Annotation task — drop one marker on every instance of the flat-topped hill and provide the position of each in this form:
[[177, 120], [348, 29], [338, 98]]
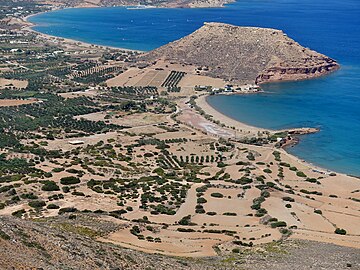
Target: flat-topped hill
[[245, 54]]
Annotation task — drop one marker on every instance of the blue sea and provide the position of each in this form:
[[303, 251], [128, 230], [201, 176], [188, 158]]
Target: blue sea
[[331, 27]]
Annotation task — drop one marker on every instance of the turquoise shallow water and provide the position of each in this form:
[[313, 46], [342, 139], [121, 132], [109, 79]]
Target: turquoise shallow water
[[328, 26]]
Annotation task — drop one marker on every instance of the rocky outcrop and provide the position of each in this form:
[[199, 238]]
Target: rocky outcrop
[[245, 54], [273, 74]]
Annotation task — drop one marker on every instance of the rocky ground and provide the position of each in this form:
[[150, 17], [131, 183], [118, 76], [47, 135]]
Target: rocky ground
[[306, 255], [63, 243], [245, 54], [72, 240], [69, 242]]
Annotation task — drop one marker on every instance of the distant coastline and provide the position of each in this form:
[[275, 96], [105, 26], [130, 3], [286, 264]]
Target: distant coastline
[[202, 102], [68, 40], [89, 45], [178, 151]]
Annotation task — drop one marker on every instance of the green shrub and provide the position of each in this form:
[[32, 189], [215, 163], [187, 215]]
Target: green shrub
[[243, 181], [243, 163], [67, 210], [29, 196], [185, 230], [50, 186], [217, 195], [4, 236], [278, 224], [265, 193], [288, 199], [201, 200], [284, 164], [77, 193], [229, 214], [18, 213], [48, 174], [185, 220], [270, 184], [57, 170], [37, 204], [277, 155], [261, 212], [300, 174], [250, 156], [340, 231], [199, 209], [70, 180], [221, 164], [311, 180], [53, 206], [135, 230]]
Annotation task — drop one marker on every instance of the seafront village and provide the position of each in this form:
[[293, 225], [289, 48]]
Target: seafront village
[[90, 130]]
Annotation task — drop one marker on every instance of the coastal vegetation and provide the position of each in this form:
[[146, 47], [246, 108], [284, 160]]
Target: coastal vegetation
[[141, 162]]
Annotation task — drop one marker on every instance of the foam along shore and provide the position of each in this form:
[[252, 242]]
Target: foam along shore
[[242, 127], [226, 123]]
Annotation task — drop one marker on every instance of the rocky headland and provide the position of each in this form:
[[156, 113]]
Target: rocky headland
[[245, 54]]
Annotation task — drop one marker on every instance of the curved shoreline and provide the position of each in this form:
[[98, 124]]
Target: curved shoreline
[[71, 40], [227, 120], [68, 40], [244, 127], [207, 107]]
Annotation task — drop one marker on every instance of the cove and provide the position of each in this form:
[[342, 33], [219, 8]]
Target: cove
[[328, 26]]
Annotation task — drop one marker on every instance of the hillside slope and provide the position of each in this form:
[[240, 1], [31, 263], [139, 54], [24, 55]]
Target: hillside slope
[[63, 242], [245, 54]]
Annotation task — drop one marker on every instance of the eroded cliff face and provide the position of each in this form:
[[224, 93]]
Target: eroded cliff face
[[314, 69], [245, 54]]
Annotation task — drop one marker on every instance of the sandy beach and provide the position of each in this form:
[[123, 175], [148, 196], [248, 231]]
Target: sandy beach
[[62, 40], [245, 129], [230, 189], [242, 127]]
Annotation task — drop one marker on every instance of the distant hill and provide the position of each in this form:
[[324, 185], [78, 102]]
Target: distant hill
[[245, 54]]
